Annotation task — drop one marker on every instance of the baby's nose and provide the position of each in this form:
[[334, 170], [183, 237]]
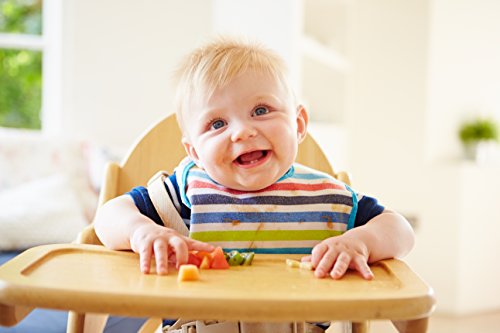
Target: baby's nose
[[243, 131]]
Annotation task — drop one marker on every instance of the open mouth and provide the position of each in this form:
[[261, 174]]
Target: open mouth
[[252, 158]]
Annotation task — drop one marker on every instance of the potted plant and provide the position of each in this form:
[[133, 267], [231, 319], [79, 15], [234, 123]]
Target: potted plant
[[475, 132]]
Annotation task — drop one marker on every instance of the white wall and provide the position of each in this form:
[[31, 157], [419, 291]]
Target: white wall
[[478, 238], [387, 98], [464, 70], [275, 23], [118, 60]]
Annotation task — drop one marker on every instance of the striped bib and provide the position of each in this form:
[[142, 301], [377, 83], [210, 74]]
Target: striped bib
[[300, 210]]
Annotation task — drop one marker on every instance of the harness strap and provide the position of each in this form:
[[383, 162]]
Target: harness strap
[[163, 204]]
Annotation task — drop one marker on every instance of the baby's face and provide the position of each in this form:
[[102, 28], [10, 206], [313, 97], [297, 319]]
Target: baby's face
[[246, 135]]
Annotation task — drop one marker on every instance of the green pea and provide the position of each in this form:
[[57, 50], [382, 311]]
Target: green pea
[[248, 258], [235, 258]]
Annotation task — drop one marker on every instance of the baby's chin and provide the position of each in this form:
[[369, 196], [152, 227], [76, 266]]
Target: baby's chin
[[246, 185]]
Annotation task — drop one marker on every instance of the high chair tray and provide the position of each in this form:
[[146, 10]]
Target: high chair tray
[[89, 278]]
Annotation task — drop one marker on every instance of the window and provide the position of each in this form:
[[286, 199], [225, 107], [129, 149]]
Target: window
[[21, 47]]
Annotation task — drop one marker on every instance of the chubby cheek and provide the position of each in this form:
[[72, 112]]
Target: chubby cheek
[[284, 138], [211, 152]]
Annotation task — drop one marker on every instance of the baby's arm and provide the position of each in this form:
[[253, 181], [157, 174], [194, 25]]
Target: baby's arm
[[387, 235], [120, 226]]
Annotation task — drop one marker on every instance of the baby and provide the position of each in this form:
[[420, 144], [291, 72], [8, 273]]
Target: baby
[[240, 187]]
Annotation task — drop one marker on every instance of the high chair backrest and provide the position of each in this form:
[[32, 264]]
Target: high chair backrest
[[160, 148]]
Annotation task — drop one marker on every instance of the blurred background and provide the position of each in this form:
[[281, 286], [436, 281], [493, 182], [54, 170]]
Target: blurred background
[[403, 94]]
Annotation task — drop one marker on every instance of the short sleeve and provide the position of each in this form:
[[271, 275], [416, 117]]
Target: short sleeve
[[368, 208], [143, 202]]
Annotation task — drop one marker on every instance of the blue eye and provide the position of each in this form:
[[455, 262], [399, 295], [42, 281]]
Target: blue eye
[[261, 110], [218, 124]]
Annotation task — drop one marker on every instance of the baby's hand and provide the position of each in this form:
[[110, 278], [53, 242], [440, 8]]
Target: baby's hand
[[336, 254], [154, 240]]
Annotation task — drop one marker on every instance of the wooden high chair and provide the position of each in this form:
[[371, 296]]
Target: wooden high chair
[[91, 281]]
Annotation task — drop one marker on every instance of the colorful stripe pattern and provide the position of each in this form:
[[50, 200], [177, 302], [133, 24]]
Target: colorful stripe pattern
[[290, 216]]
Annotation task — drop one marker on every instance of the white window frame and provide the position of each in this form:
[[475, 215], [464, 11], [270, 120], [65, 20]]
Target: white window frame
[[50, 44]]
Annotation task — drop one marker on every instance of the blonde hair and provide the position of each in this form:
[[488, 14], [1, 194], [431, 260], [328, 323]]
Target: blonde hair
[[215, 64]]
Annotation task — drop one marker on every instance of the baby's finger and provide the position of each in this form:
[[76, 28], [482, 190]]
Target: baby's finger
[[341, 266], [306, 258], [180, 248], [362, 267], [325, 264], [171, 257], [161, 256], [317, 253], [145, 258], [198, 246]]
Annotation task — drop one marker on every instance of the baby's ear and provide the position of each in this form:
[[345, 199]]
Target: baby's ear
[[191, 152], [302, 122]]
